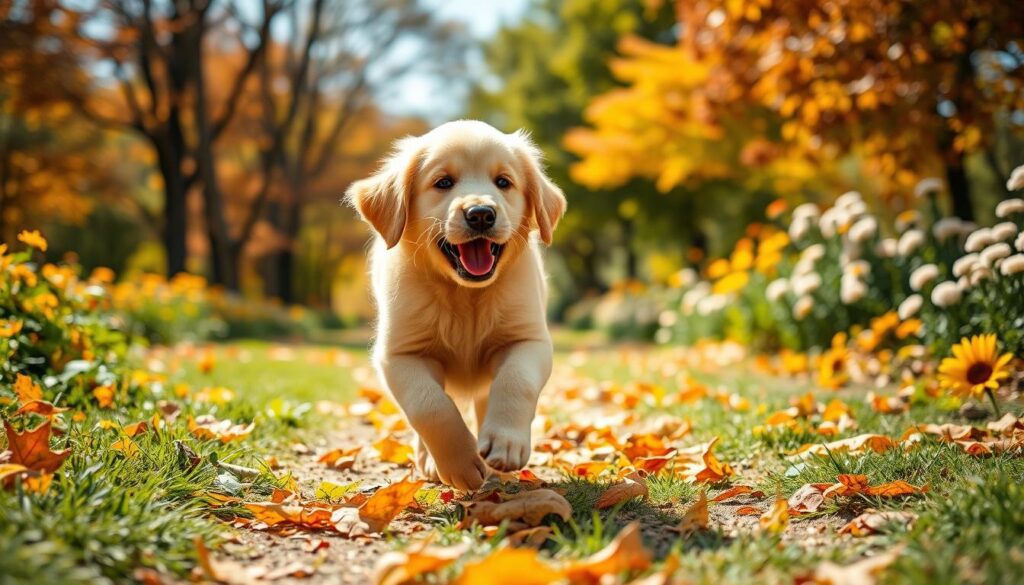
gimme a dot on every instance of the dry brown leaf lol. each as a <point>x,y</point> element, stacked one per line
<point>226,571</point>
<point>863,572</point>
<point>696,517</point>
<point>808,498</point>
<point>625,553</point>
<point>31,448</point>
<point>1006,425</point>
<point>533,537</point>
<point>529,507</point>
<point>404,567</point>
<point>948,432</point>
<point>874,521</point>
<point>293,570</point>
<point>207,427</point>
<point>527,477</point>
<point>631,487</point>
<point>508,566</point>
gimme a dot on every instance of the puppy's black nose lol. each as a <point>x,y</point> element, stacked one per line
<point>480,217</point>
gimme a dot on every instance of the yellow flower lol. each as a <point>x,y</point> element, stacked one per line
<point>731,283</point>
<point>975,367</point>
<point>33,238</point>
<point>832,364</point>
<point>9,328</point>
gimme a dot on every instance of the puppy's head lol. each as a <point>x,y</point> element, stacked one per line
<point>463,198</point>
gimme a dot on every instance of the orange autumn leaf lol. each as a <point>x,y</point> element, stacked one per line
<point>401,567</point>
<point>654,463</point>
<point>632,486</point>
<point>527,477</point>
<point>125,446</point>
<point>391,450</point>
<point>386,503</point>
<point>748,511</point>
<point>733,492</point>
<point>41,407</point>
<point>207,427</point>
<point>895,489</point>
<point>589,469</point>
<point>776,519</point>
<point>26,389</point>
<point>709,469</point>
<point>645,445</point>
<point>696,517</point>
<point>340,459</point>
<point>31,448</point>
<point>508,566</point>
<point>626,552</point>
<point>136,428</point>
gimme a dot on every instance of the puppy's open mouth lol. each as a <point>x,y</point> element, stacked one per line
<point>473,260</point>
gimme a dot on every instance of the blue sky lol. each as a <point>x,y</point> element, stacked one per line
<point>431,98</point>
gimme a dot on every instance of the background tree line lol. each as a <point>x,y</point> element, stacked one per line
<point>215,136</point>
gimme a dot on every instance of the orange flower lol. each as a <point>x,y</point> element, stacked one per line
<point>33,239</point>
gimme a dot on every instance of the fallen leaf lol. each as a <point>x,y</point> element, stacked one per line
<point>125,446</point>
<point>863,572</point>
<point>808,498</point>
<point>529,507</point>
<point>631,487</point>
<point>508,566</point>
<point>340,459</point>
<point>207,427</point>
<point>294,570</point>
<point>26,389</point>
<point>225,571</point>
<point>31,448</point>
<point>404,567</point>
<point>733,492</point>
<point>748,511</point>
<point>388,502</point>
<point>533,537</point>
<point>1006,425</point>
<point>709,469</point>
<point>40,407</point>
<point>527,477</point>
<point>134,429</point>
<point>776,519</point>
<point>854,446</point>
<point>873,522</point>
<point>335,492</point>
<point>589,470</point>
<point>626,552</point>
<point>696,517</point>
<point>645,445</point>
<point>391,450</point>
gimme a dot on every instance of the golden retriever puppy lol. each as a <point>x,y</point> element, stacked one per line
<point>460,289</point>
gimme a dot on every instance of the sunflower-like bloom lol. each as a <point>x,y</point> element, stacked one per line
<point>975,367</point>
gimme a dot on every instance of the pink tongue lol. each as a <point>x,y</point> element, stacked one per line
<point>476,257</point>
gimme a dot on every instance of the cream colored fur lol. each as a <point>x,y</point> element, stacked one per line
<point>445,343</point>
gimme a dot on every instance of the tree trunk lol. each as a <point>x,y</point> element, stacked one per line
<point>959,187</point>
<point>175,216</point>
<point>632,263</point>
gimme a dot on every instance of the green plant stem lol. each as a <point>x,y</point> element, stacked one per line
<point>995,405</point>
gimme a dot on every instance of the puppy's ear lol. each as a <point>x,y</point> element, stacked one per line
<point>383,199</point>
<point>546,199</point>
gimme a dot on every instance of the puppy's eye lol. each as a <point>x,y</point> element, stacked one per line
<point>444,183</point>
<point>502,182</point>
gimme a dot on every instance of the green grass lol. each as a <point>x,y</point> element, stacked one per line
<point>107,515</point>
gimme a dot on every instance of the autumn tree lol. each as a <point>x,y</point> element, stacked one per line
<point>543,73</point>
<point>907,87</point>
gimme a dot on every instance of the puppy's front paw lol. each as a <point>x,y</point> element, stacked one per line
<point>425,463</point>
<point>466,474</point>
<point>504,450</point>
